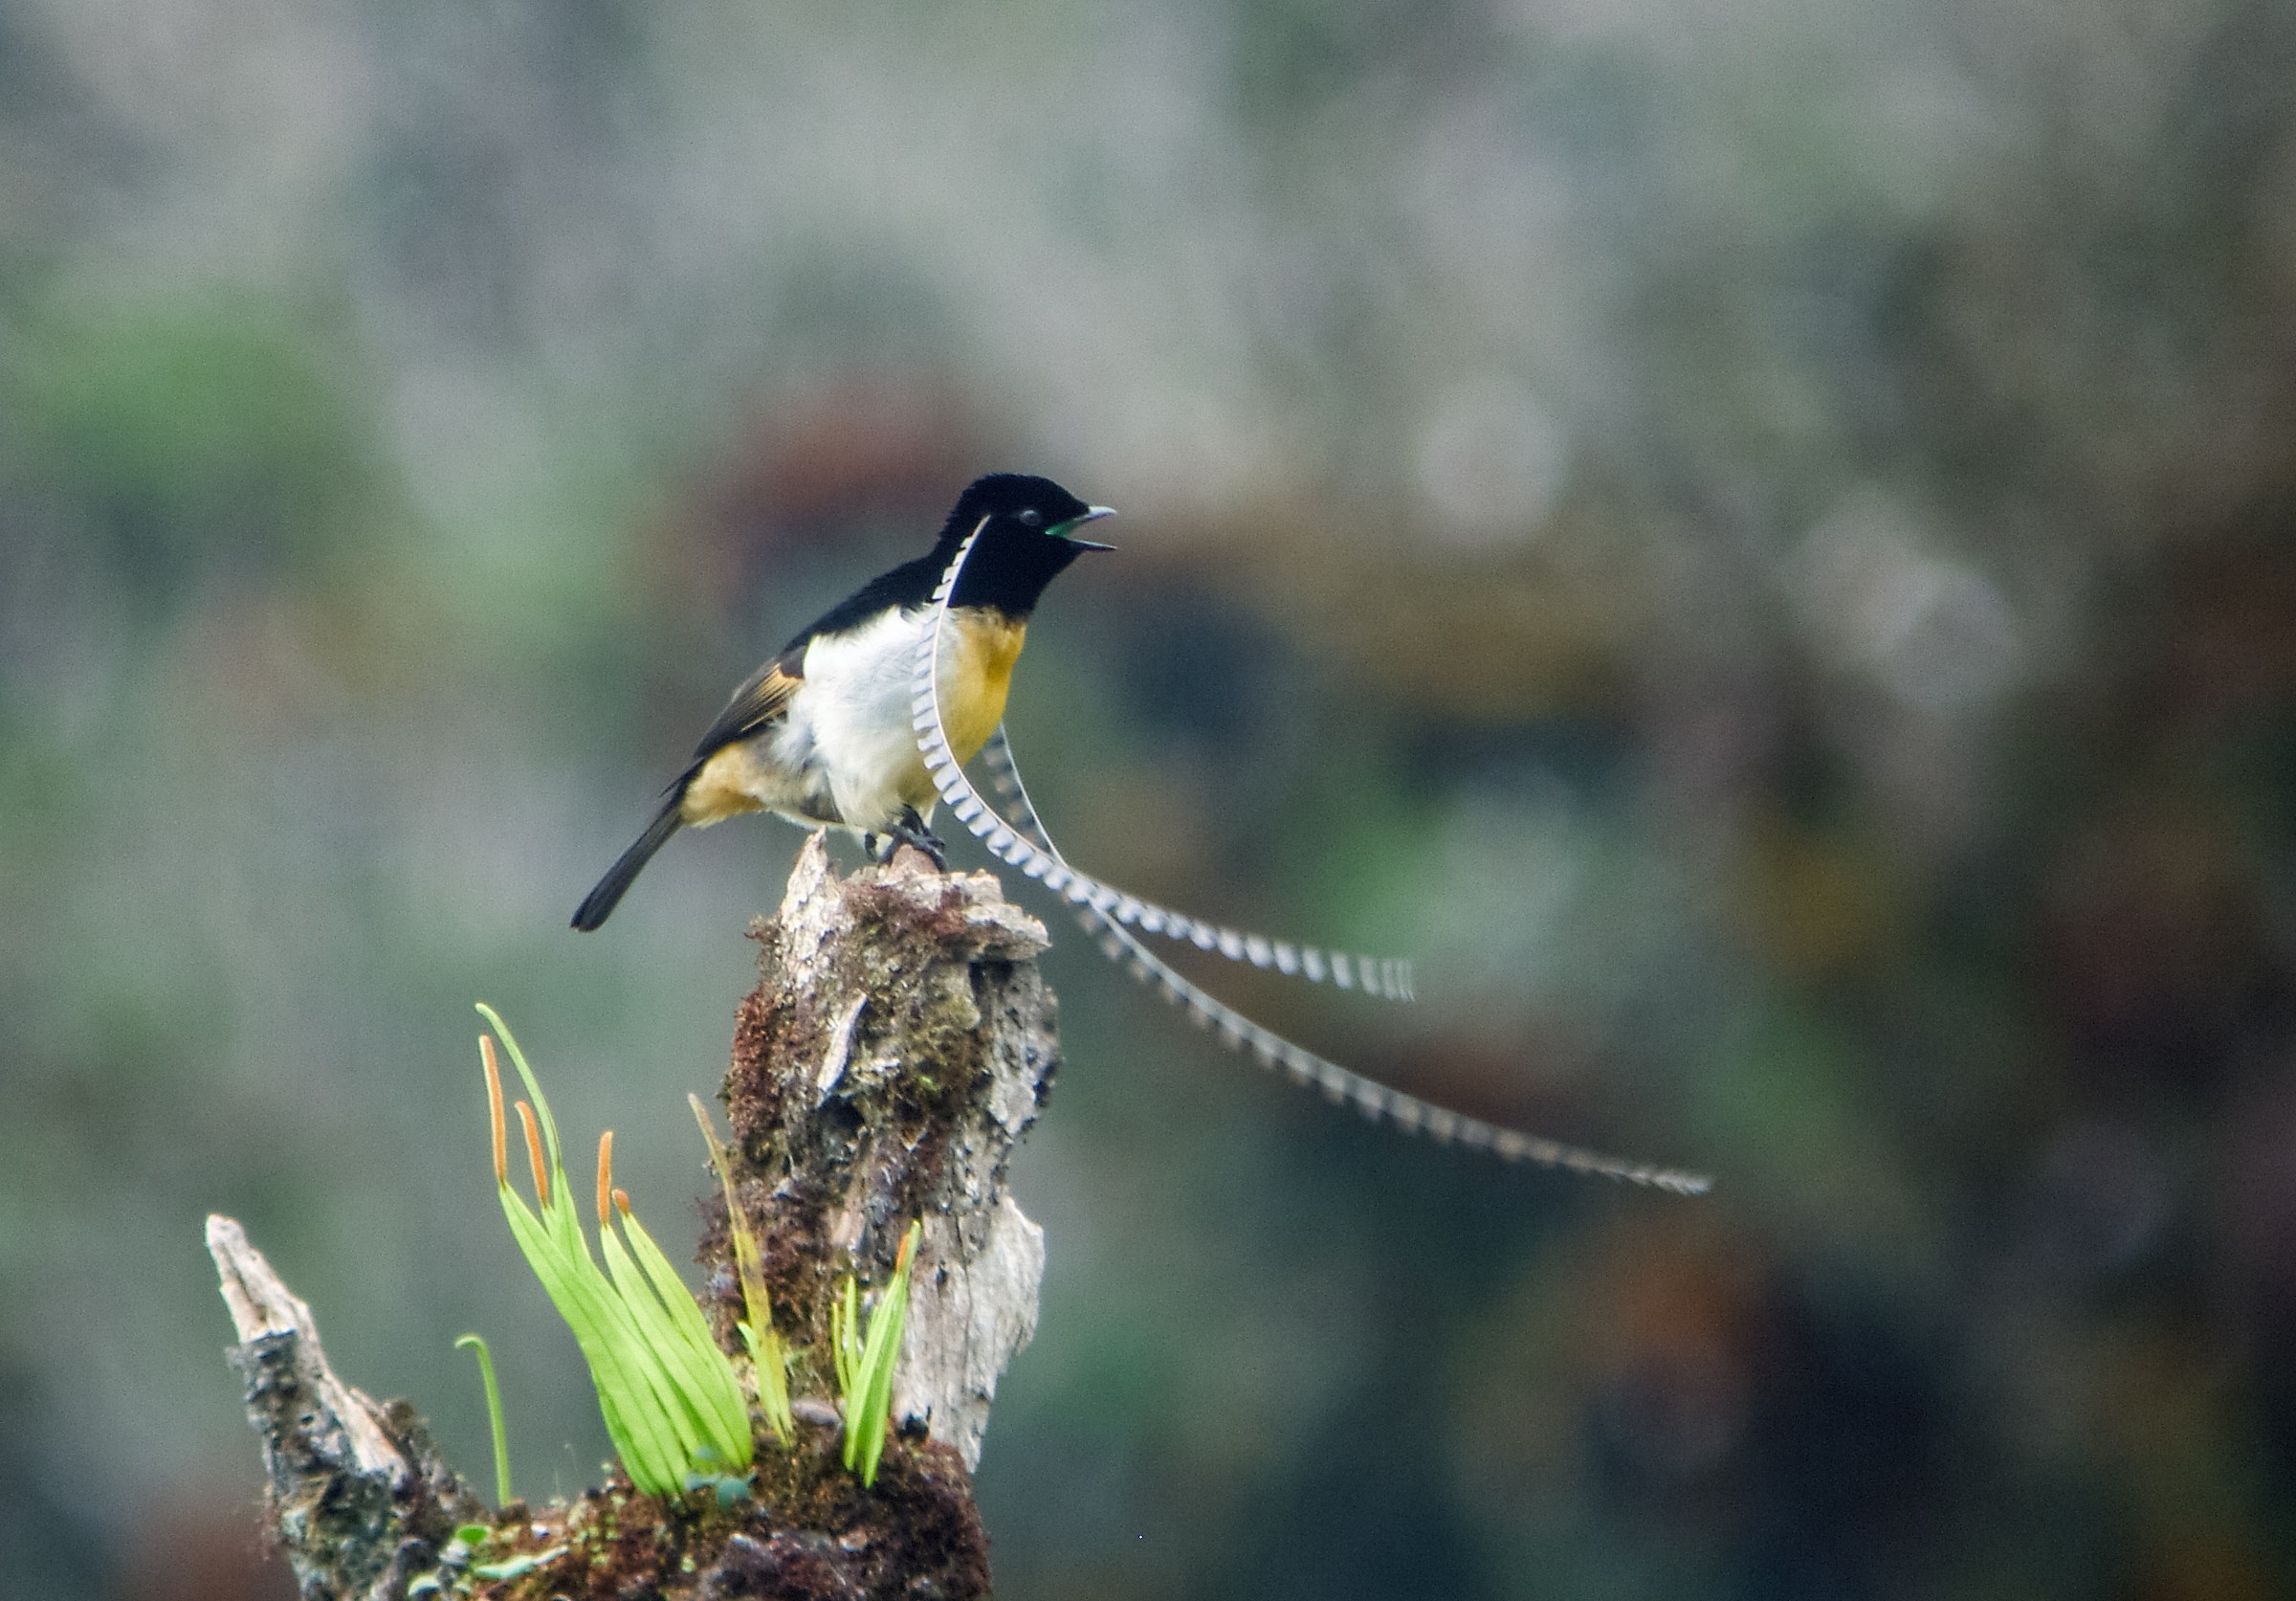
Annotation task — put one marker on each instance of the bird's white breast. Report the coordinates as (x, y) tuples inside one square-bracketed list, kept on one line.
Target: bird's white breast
[(852, 724)]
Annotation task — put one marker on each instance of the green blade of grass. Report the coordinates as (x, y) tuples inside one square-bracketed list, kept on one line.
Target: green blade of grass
[(493, 1412), (671, 1398), (645, 1392), (712, 1376), (644, 1430), (663, 1371), (869, 1413), (845, 1341), (769, 1358), (644, 1436), (768, 1355), (678, 1378)]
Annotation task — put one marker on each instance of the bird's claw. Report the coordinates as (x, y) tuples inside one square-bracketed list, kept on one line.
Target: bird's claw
[(909, 828)]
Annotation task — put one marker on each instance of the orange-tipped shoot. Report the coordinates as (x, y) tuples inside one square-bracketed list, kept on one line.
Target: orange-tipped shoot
[(534, 1154), (494, 1108), (671, 1398)]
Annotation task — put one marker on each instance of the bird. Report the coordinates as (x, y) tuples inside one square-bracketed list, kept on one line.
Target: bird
[(868, 716), (821, 734)]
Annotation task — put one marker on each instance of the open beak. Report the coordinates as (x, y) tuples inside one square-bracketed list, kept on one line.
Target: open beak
[(1095, 515)]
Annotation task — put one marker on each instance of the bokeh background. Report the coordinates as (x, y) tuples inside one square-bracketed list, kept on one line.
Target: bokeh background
[(1756, 541)]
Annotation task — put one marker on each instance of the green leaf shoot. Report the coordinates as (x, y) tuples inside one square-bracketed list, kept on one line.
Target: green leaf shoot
[(768, 1354), (476, 1343), (865, 1374), (844, 1336), (671, 1400)]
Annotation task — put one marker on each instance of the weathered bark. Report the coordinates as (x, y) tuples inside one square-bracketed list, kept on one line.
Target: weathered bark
[(898, 1045), (359, 1499)]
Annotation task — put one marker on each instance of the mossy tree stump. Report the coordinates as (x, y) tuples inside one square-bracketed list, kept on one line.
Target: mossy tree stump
[(898, 1043)]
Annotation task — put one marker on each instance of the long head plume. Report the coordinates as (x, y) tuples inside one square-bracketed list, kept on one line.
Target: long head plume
[(1388, 977), (1103, 912)]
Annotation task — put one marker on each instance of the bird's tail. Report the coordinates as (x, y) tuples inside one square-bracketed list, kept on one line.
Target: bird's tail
[(599, 904)]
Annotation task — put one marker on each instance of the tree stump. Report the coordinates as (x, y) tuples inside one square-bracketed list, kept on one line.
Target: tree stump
[(898, 1044)]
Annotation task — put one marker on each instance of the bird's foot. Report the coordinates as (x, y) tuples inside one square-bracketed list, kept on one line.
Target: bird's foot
[(909, 828)]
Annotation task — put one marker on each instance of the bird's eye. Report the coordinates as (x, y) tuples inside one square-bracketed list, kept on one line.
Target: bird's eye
[(1032, 518)]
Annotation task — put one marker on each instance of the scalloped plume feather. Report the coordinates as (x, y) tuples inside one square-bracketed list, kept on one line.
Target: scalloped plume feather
[(1110, 914)]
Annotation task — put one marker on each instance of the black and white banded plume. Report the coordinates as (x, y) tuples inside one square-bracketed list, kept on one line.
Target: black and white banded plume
[(1098, 908), (1388, 977), (1374, 1100)]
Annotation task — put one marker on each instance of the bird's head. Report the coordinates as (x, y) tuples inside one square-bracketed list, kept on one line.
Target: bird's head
[(1017, 507)]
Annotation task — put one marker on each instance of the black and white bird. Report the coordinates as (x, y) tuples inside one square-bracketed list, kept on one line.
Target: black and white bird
[(868, 717), (821, 733)]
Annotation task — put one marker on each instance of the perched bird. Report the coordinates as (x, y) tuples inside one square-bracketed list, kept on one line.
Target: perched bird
[(868, 716), (821, 733)]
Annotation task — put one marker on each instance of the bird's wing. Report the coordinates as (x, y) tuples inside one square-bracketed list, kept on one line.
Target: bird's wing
[(764, 697)]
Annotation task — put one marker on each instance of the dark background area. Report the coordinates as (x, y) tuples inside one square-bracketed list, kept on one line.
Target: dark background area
[(1753, 541)]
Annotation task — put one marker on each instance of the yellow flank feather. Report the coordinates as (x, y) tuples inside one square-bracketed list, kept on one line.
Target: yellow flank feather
[(726, 787), (988, 643)]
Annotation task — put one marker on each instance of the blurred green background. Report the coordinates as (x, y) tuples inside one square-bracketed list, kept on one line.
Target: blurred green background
[(1756, 541)]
